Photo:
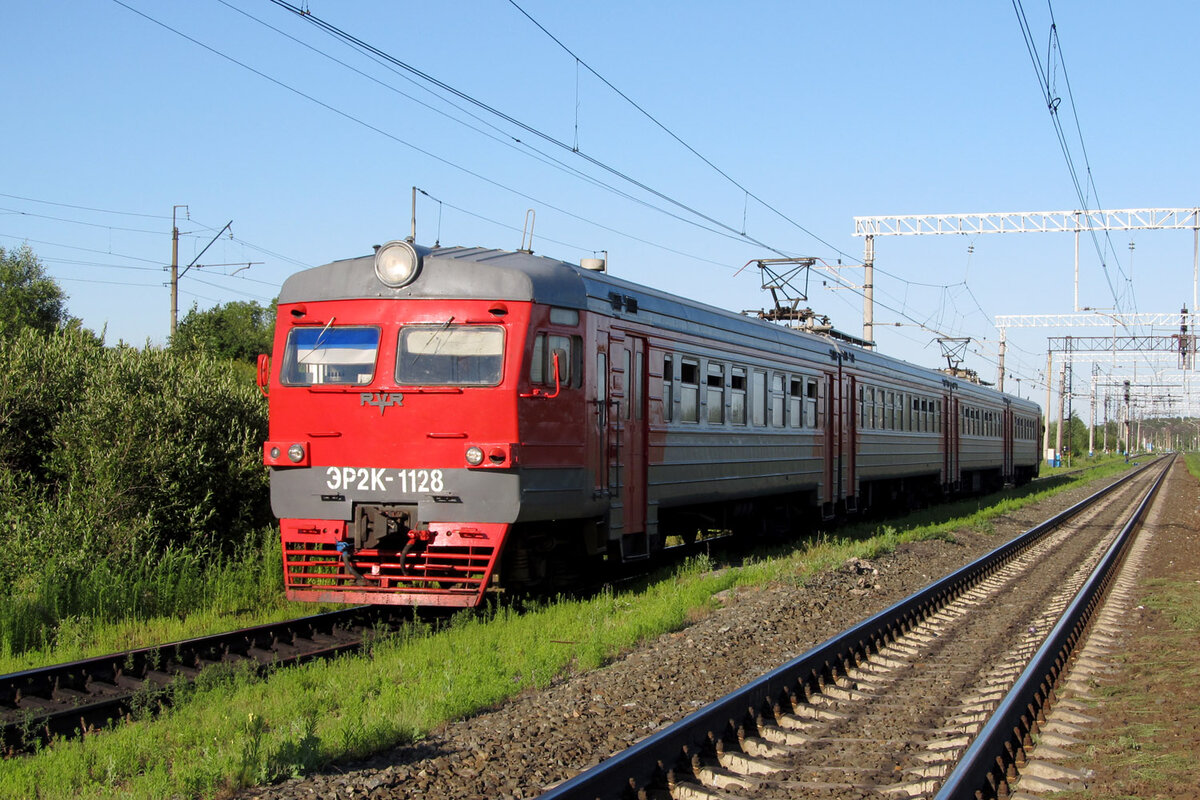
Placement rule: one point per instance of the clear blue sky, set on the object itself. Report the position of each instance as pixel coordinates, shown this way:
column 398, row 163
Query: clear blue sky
column 824, row 110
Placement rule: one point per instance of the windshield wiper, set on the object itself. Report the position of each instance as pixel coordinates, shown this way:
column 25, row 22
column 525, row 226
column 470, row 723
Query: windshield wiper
column 437, row 346
column 320, row 338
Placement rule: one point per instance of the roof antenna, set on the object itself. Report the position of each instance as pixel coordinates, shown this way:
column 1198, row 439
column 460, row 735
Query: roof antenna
column 530, row 219
column 412, row 237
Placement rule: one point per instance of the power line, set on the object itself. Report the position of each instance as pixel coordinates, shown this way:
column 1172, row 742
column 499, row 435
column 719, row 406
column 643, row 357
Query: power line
column 1052, row 104
column 84, row 249
column 500, row 136
column 349, row 38
column 580, row 248
column 491, row 182
column 114, row 283
column 73, row 263
column 579, row 61
column 232, row 238
column 84, row 208
column 505, row 139
column 78, row 222
column 227, row 289
column 728, row 231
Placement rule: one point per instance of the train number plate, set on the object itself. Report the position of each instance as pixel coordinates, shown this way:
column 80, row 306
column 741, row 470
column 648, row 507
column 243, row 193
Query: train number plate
column 380, row 479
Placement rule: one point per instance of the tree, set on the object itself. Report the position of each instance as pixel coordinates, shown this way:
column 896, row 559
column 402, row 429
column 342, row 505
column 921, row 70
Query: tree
column 237, row 330
column 29, row 298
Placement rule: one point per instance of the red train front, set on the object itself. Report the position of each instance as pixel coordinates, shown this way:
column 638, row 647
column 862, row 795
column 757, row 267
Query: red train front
column 399, row 464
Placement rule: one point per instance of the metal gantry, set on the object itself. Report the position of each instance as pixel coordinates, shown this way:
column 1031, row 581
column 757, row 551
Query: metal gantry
column 1118, row 348
column 1126, row 219
column 1076, row 222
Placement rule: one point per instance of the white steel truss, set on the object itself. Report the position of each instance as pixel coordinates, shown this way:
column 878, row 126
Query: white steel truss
column 1168, row 319
column 1125, row 219
column 1034, row 222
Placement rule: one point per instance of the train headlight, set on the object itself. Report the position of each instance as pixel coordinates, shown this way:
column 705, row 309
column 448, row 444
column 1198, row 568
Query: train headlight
column 397, row 263
column 275, row 453
column 296, row 453
column 474, row 456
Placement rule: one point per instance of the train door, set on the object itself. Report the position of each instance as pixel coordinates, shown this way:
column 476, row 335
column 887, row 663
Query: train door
column 627, row 434
column 1006, row 434
column 600, row 454
column 951, row 442
column 832, row 418
column 849, row 486
column 633, row 437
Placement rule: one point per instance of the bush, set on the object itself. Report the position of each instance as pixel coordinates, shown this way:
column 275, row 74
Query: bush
column 41, row 376
column 131, row 483
column 172, row 442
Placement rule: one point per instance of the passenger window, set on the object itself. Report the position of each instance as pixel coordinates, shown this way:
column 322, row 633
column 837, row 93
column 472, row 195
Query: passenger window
column 716, row 393
column 639, row 378
column 777, row 401
column 689, row 390
column 737, row 392
column 628, row 399
column 668, row 399
column 795, row 395
column 601, row 389
column 758, row 398
column 810, row 405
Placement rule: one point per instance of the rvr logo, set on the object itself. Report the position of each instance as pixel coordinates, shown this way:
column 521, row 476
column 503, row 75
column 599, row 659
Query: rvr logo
column 380, row 400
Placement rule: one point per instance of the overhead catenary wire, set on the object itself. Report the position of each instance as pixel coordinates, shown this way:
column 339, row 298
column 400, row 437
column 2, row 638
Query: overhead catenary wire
column 84, row 208
column 1052, row 104
column 497, row 134
column 429, row 154
column 673, row 135
column 83, row 249
column 18, row 212
column 345, row 36
column 505, row 140
column 351, row 117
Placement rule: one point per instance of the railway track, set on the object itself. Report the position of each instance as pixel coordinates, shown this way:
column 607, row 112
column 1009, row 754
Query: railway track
column 62, row 700
column 79, row 697
column 946, row 677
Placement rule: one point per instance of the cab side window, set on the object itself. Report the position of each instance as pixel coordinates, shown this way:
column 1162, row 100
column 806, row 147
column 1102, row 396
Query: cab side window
column 541, row 363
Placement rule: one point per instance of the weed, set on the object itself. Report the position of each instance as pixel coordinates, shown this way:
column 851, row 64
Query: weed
column 251, row 768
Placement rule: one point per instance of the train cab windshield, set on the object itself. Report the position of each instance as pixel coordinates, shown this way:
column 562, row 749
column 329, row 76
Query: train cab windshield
column 450, row 355
column 332, row 355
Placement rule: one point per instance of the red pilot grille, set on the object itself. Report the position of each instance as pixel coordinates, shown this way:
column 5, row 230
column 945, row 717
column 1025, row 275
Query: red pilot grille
column 450, row 566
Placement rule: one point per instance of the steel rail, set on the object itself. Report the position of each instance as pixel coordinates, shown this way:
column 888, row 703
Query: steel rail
column 655, row 761
column 988, row 764
column 71, row 698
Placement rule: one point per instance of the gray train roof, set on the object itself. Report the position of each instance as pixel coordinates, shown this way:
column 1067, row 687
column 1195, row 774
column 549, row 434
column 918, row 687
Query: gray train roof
column 449, row 272
column 478, row 273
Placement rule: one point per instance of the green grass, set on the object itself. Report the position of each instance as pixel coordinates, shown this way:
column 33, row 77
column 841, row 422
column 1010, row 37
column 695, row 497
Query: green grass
column 1192, row 460
column 234, row 730
column 109, row 605
column 1148, row 748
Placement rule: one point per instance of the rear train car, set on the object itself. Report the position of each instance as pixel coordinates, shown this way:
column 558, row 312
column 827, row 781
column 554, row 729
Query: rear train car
column 446, row 420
